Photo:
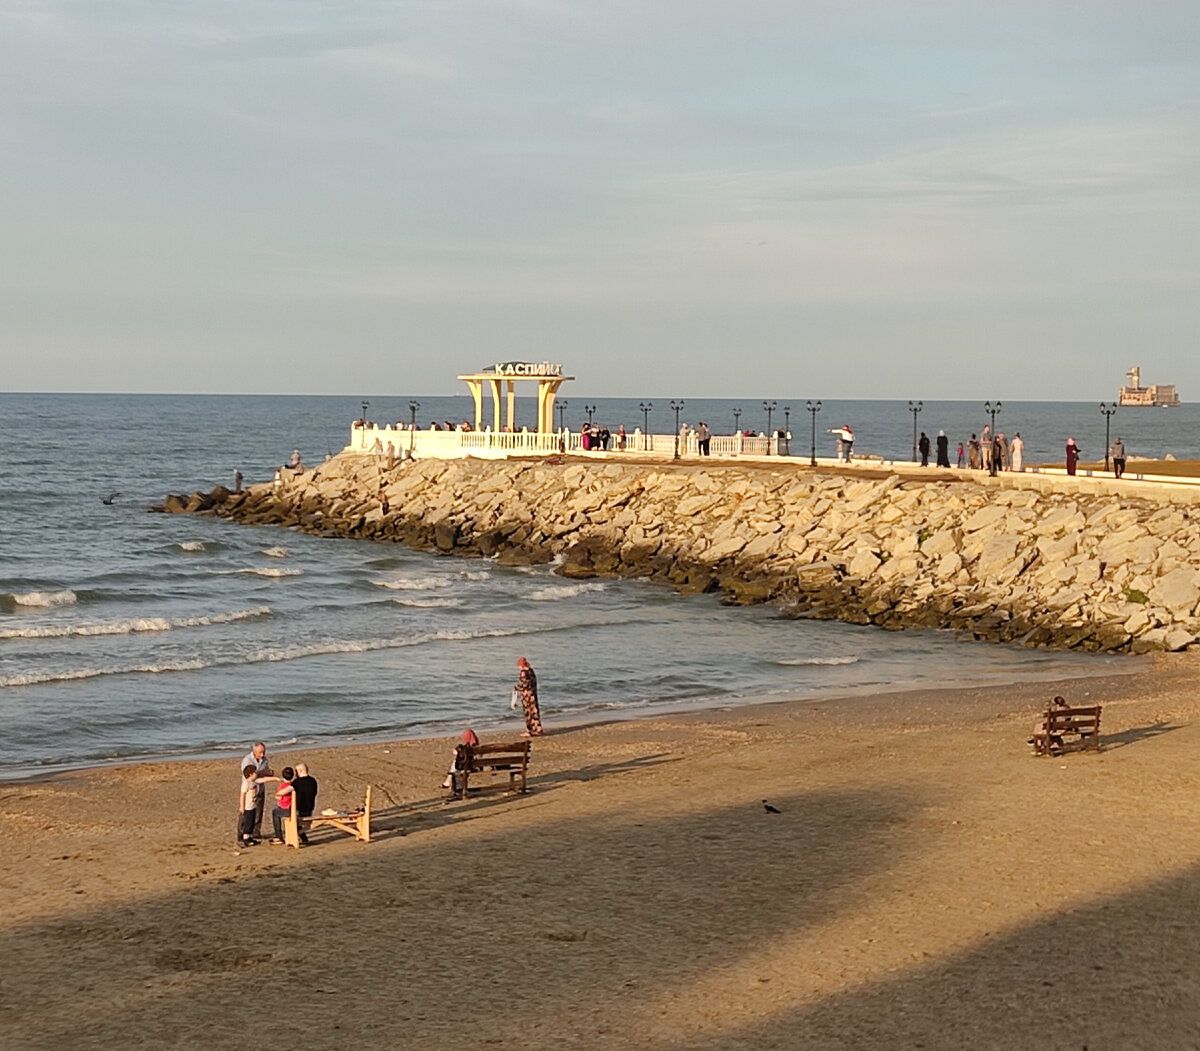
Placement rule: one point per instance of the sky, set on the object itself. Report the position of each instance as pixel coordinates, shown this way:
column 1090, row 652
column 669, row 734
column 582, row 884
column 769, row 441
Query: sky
column 669, row 197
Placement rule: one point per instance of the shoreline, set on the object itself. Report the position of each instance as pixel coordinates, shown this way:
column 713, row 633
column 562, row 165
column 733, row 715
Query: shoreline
column 573, row 719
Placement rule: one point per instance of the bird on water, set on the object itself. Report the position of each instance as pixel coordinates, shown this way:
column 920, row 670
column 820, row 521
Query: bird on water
column 110, row 499
column 770, row 809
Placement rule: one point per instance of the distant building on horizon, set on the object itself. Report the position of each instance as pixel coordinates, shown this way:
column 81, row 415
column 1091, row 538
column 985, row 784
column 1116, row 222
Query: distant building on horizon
column 1157, row 395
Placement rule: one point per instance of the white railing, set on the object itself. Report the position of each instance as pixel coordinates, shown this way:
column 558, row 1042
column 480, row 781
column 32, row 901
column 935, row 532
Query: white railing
column 400, row 442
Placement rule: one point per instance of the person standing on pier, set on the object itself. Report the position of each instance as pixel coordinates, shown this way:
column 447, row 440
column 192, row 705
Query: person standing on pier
column 527, row 691
column 1072, row 456
column 1018, row 452
column 702, row 438
column 943, row 450
column 960, row 456
column 845, row 438
column 985, row 447
column 923, row 448
column 973, row 453
column 1118, row 457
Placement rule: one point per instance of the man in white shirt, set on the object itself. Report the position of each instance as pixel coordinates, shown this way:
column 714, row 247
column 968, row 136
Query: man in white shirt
column 257, row 758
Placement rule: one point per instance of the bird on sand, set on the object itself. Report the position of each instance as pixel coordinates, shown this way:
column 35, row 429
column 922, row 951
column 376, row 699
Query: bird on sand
column 770, row 809
column 108, row 500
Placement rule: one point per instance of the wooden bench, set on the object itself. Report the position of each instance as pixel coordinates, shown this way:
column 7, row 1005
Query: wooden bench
column 511, row 759
column 1081, row 724
column 356, row 823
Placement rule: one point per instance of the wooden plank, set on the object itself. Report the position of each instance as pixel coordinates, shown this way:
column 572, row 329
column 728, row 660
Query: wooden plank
column 521, row 747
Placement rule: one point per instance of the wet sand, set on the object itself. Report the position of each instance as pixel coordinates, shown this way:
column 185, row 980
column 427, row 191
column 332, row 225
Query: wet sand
column 928, row 883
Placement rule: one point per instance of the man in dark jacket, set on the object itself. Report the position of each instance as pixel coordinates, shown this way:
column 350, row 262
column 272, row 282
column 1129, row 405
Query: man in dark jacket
column 923, row 446
column 304, row 788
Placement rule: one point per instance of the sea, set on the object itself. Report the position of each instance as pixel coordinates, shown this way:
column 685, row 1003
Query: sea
column 126, row 635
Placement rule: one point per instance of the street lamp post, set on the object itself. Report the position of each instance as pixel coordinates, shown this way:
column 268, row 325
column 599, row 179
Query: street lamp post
column 787, row 430
column 413, row 406
column 993, row 411
column 677, row 406
column 363, row 430
column 914, row 408
column 1108, row 411
column 647, row 407
column 813, row 407
column 768, row 408
column 591, row 411
column 562, row 409
column 737, row 420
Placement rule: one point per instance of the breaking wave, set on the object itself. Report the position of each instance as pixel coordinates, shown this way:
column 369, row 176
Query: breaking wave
column 191, row 545
column 276, row 552
column 413, row 583
column 44, row 599
column 267, row 656
column 803, row 662
column 132, row 626
column 428, row 603
column 272, row 571
column 561, row 591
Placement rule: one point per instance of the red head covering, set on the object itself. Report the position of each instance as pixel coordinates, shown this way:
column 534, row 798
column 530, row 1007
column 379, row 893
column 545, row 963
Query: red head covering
column 469, row 737
column 522, row 662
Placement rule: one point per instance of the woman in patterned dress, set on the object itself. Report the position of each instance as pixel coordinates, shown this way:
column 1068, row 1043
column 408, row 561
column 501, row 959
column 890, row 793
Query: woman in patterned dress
column 527, row 689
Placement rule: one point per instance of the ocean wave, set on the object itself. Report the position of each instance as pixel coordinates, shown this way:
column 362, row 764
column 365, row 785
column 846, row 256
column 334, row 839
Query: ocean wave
column 413, row 583
column 276, row 552
column 475, row 574
column 43, row 599
column 190, row 545
column 271, row 571
column 132, row 626
column 561, row 591
column 428, row 603
column 264, row 656
column 803, row 662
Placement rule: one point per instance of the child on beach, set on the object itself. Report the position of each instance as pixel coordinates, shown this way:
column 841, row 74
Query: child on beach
column 247, row 801
column 285, row 797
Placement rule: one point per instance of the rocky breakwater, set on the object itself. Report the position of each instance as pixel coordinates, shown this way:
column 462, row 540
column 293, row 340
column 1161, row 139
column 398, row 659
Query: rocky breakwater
column 1095, row 572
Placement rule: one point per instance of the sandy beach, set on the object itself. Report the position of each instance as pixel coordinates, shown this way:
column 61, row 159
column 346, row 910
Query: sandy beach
column 928, row 883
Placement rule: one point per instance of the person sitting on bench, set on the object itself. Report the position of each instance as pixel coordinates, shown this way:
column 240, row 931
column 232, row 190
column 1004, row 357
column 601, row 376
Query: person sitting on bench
column 1041, row 729
column 462, row 758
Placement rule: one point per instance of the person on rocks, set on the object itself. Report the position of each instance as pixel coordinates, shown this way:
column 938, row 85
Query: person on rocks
column 237, row 481
column 1072, row 456
column 1118, row 457
column 528, row 693
column 973, row 453
column 257, row 758
column 943, row 450
column 304, row 786
column 1018, row 452
column 923, row 448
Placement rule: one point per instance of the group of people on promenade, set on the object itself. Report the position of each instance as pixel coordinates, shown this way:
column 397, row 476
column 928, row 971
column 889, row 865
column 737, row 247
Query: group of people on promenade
column 996, row 452
column 296, row 788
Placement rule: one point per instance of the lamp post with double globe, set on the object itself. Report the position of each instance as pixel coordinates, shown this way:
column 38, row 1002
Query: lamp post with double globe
column 647, row 407
column 1108, row 411
column 914, row 408
column 813, row 407
column 413, row 406
column 769, row 408
column 562, row 410
column 677, row 406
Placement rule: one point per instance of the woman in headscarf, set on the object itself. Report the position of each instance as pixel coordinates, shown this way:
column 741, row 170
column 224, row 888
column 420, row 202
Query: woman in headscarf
column 943, row 450
column 527, row 691
column 1072, row 455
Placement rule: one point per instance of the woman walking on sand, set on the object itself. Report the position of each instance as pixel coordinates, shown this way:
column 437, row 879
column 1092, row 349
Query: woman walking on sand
column 527, row 690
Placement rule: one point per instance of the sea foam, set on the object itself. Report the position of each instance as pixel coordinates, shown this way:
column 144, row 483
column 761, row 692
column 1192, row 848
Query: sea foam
column 132, row 626
column 262, row 656
column 44, row 599
column 561, row 591
column 804, row 662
